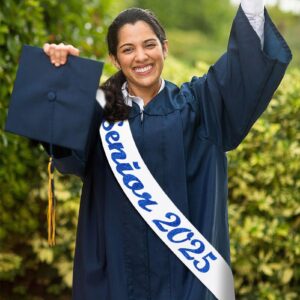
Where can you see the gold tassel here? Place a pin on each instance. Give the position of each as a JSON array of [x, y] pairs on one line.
[[51, 204]]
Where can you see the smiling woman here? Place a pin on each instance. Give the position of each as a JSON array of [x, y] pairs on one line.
[[168, 146], [138, 46], [140, 55]]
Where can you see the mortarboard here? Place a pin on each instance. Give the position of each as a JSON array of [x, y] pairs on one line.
[[52, 105], [40, 88]]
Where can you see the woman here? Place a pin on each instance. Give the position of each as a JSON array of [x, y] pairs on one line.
[[182, 135]]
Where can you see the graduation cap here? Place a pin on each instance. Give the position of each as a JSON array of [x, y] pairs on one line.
[[51, 105]]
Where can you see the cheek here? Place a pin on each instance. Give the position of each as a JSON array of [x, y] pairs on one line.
[[161, 60], [123, 60], [160, 56]]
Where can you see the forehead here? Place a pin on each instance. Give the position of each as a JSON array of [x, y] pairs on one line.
[[135, 33]]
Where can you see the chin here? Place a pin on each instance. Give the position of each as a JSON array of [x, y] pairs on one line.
[[146, 82]]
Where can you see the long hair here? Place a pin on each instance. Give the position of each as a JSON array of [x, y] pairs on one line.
[[116, 109]]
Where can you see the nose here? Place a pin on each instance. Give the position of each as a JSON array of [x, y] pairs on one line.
[[141, 55]]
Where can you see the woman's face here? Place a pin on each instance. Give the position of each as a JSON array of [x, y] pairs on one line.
[[140, 55]]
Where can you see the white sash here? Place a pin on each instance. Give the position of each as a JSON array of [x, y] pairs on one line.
[[160, 213]]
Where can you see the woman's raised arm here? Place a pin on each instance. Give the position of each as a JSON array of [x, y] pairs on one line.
[[239, 86]]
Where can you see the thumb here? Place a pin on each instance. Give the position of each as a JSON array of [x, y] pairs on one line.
[[74, 51]]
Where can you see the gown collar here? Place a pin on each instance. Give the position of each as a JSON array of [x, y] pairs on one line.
[[128, 99], [165, 102]]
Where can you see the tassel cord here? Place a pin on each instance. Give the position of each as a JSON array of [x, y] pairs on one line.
[[51, 204]]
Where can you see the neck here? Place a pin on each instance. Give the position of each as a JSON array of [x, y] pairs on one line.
[[147, 94]]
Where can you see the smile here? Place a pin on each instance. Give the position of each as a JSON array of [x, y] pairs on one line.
[[143, 69]]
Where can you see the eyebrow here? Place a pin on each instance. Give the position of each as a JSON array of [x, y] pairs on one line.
[[146, 41]]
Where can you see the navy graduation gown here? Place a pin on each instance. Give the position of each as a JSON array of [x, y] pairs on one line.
[[183, 139]]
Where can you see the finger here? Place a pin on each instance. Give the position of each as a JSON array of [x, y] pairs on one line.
[[63, 53], [46, 48], [57, 56], [52, 52], [63, 56]]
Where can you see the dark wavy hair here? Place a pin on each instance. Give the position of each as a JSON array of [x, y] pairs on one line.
[[116, 109]]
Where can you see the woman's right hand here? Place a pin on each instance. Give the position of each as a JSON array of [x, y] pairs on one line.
[[58, 53]]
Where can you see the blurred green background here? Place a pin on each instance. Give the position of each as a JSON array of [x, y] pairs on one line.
[[264, 172]]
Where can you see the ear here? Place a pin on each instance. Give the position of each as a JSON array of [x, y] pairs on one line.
[[114, 61], [165, 47]]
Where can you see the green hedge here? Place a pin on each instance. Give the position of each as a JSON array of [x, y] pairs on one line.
[[264, 212], [29, 269]]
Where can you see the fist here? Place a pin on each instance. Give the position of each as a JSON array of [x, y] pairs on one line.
[[58, 53]]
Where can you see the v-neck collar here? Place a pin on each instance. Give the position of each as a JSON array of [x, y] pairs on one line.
[[128, 99], [165, 102]]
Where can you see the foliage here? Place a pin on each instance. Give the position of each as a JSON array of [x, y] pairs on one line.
[[202, 14], [264, 213], [196, 46], [201, 45], [264, 172], [29, 269], [289, 25]]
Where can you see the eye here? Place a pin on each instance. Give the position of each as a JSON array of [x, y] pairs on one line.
[[127, 50], [150, 45]]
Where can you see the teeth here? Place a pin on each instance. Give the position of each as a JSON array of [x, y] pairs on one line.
[[145, 69]]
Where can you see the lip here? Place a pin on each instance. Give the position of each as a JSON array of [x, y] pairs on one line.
[[145, 72]]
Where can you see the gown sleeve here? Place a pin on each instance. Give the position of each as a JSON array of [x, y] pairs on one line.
[[56, 106], [238, 87]]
